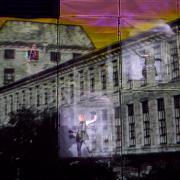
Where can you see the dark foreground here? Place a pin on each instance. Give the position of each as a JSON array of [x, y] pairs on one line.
[[151, 167], [28, 151]]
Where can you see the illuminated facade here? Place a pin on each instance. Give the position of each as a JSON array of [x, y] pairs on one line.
[[30, 47], [135, 94]]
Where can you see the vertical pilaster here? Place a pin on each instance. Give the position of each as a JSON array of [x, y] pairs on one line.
[[154, 122], [170, 119]]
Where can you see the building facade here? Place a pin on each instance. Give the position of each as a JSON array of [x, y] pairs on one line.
[[30, 47], [132, 86]]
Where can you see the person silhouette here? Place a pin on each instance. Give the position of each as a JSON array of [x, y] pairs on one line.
[[33, 53], [149, 62], [81, 135]]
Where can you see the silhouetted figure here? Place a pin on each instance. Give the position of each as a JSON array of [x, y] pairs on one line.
[[82, 135], [149, 70], [33, 53]]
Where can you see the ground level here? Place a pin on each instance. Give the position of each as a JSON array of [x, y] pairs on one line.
[[132, 167]]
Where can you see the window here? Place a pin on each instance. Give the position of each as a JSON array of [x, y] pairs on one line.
[[72, 93], [127, 66], [54, 90], [11, 102], [92, 114], [117, 112], [71, 77], [23, 98], [46, 97], [81, 83], [92, 79], [94, 145], [157, 52], [105, 127], [118, 127], [54, 95], [158, 63], [118, 133], [54, 56], [105, 143], [132, 137], [37, 96], [81, 88], [104, 115], [174, 60], [1, 109], [5, 106], [17, 101], [162, 121], [62, 94], [30, 96], [9, 54], [75, 55], [62, 81], [103, 78], [9, 76], [115, 74], [177, 116], [146, 123]]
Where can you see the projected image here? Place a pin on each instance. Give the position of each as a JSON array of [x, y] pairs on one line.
[[144, 65], [81, 134], [143, 61], [33, 53], [86, 130]]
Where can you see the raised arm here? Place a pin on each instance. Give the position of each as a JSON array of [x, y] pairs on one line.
[[140, 55], [137, 53], [91, 121]]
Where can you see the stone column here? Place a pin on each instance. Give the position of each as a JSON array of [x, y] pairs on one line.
[[109, 77], [76, 85], [170, 119], [97, 82], [165, 61], [150, 74], [154, 126], [138, 124], [86, 82], [178, 43]]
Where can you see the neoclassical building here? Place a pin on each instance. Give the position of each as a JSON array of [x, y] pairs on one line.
[[132, 86], [30, 47]]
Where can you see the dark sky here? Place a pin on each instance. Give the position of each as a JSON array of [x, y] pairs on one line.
[[29, 8]]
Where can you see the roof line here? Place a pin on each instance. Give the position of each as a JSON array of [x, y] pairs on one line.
[[71, 62], [23, 20]]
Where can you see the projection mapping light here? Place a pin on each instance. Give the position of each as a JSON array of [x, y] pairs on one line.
[[86, 130], [33, 53]]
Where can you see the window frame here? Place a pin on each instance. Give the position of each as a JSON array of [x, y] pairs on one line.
[[103, 78], [55, 56], [146, 123], [9, 56], [9, 75], [115, 74], [162, 121], [131, 124], [177, 117], [174, 61]]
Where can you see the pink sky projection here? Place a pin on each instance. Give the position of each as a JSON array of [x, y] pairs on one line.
[[128, 8], [100, 17]]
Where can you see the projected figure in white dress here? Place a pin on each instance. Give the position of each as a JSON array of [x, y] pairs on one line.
[[149, 62]]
